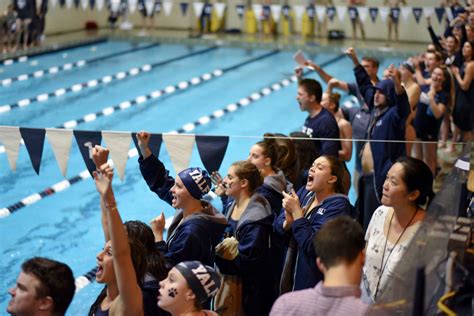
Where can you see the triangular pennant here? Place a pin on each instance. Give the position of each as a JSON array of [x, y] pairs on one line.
[[331, 12], [180, 149], [167, 7], [321, 13], [77, 3], [240, 8], [299, 10], [310, 11], [286, 11], [132, 6], [220, 8], [341, 12], [114, 5], [198, 6], [276, 12], [257, 10], [212, 150], [439, 14], [373, 14], [405, 12], [384, 12], [428, 11], [34, 141], [266, 12], [118, 144], [353, 13], [417, 12], [54, 3], [86, 140], [363, 13], [158, 6], [184, 8], [69, 4], [154, 144], [60, 141], [207, 11], [84, 4], [92, 4], [149, 7], [10, 137], [449, 13]]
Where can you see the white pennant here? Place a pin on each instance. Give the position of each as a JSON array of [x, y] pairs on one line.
[[99, 4], [118, 144], [60, 141], [363, 13], [449, 14], [114, 5], [341, 12], [10, 137], [321, 13], [132, 6], [180, 149], [299, 10], [84, 4], [383, 12], [428, 11], [198, 6], [220, 7], [276, 11], [149, 7], [405, 12], [69, 4], [257, 10], [54, 3], [167, 7]]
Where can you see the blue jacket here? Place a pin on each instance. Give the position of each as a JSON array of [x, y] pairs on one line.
[[253, 232], [389, 124], [305, 273], [197, 235], [323, 125]]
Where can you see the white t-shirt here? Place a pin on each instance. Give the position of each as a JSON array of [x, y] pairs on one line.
[[376, 238]]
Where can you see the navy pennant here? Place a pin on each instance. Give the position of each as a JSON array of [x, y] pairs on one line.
[[207, 11], [310, 11], [212, 150], [353, 13], [34, 141], [184, 8], [440, 13], [395, 12], [154, 144], [92, 4], [76, 3], [266, 12], [286, 11], [158, 6], [240, 10], [62, 3], [331, 12], [417, 13], [373, 14], [86, 140]]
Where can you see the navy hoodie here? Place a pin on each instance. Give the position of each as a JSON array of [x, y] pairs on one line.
[[388, 125], [253, 232], [305, 273], [193, 238]]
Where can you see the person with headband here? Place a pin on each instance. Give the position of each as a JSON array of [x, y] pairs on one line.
[[187, 288], [197, 226]]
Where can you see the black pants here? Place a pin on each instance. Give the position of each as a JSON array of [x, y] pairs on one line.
[[367, 201]]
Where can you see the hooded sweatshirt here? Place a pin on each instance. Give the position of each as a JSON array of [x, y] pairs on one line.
[[300, 271], [271, 189], [252, 264], [191, 238]]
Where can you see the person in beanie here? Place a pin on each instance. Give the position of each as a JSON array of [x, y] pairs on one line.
[[197, 226], [188, 287]]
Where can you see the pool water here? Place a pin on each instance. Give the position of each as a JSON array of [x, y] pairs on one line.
[[66, 226]]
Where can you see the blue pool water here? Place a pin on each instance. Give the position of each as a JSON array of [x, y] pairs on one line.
[[66, 226]]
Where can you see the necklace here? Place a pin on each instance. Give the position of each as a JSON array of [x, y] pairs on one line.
[[382, 264]]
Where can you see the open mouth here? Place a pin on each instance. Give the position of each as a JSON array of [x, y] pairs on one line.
[[310, 180], [99, 271]]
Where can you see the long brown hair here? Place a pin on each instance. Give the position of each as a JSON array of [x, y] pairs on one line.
[[338, 170]]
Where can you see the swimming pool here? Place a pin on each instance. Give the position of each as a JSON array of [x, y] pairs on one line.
[[66, 226]]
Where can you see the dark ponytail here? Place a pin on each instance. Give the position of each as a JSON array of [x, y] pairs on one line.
[[418, 176]]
